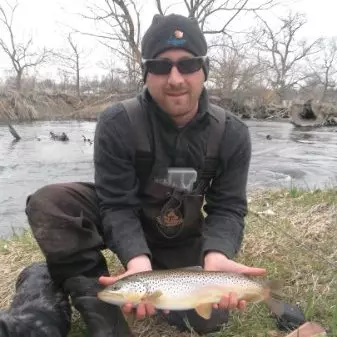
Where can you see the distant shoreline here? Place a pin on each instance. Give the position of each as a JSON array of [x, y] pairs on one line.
[[40, 106]]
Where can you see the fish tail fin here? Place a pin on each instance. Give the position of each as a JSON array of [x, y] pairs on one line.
[[274, 289], [275, 306], [273, 295]]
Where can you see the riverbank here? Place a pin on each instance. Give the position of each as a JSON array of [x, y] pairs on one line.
[[292, 233], [47, 106], [41, 106]]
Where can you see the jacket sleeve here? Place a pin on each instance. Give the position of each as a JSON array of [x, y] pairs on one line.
[[117, 185], [226, 199]]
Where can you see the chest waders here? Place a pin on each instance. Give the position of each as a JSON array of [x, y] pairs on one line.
[[170, 215]]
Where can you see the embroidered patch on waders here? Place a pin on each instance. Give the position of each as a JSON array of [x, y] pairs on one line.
[[171, 218], [170, 222]]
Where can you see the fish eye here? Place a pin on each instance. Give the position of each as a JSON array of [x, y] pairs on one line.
[[115, 287]]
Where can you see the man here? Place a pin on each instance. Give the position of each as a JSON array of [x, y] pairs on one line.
[[169, 133]]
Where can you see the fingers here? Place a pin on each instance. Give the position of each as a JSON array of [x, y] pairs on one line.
[[107, 280], [230, 302], [142, 310], [242, 305], [254, 271], [127, 308], [224, 302], [233, 301], [235, 267], [150, 309], [145, 309]]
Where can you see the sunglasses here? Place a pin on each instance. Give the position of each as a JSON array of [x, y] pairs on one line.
[[164, 66]]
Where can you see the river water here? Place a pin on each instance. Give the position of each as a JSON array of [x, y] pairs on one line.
[[306, 158]]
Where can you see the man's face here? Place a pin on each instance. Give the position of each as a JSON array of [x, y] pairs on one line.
[[176, 93]]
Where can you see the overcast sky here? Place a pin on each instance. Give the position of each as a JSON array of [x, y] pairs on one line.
[[47, 21]]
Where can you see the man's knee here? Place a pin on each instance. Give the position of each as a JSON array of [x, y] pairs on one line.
[[42, 207], [63, 200], [53, 193], [50, 210]]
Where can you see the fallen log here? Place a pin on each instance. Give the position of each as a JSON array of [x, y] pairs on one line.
[[313, 114], [61, 137], [13, 132]]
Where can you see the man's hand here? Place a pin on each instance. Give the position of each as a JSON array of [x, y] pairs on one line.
[[216, 261], [137, 264]]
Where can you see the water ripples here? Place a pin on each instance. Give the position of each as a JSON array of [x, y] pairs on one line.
[[305, 158]]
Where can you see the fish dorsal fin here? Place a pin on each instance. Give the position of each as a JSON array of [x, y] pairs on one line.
[[149, 297], [204, 310], [193, 268]]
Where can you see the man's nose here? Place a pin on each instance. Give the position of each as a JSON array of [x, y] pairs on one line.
[[175, 77]]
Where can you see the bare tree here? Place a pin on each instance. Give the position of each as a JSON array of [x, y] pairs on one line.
[[206, 10], [21, 55], [119, 30], [120, 27], [324, 67], [72, 60], [234, 70], [111, 82], [284, 52]]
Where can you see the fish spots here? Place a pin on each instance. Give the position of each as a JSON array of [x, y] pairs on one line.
[[184, 289]]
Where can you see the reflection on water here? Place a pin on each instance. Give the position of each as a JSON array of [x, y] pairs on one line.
[[306, 157]]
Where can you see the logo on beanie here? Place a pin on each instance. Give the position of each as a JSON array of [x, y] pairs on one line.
[[178, 34], [177, 38]]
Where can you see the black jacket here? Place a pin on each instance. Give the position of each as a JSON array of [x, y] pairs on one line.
[[117, 185]]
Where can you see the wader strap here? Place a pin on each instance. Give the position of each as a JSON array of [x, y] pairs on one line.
[[217, 128], [218, 124], [137, 117], [138, 120]]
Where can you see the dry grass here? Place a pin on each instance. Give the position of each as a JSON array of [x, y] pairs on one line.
[[292, 233], [34, 105], [39, 105], [16, 253]]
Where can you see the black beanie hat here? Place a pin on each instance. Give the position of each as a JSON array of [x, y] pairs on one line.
[[171, 32]]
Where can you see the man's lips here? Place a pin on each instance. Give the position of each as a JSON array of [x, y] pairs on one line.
[[175, 94]]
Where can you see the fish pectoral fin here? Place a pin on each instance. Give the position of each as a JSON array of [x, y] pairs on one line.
[[204, 310], [152, 296]]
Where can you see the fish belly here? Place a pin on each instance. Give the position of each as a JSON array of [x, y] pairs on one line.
[[177, 303]]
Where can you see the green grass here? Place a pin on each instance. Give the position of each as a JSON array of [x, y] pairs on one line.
[[290, 232]]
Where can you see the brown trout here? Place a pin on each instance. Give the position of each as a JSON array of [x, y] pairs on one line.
[[184, 289]]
